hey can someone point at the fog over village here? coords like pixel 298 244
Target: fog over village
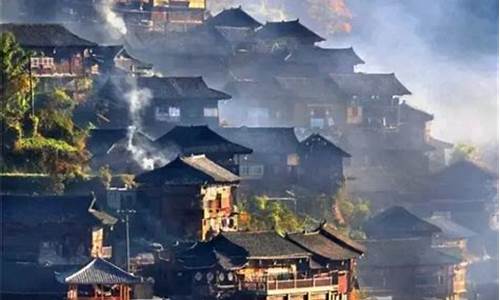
pixel 237 149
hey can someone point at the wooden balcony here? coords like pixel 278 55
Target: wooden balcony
pixel 278 286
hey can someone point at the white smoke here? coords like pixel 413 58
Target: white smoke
pixel 114 20
pixel 138 100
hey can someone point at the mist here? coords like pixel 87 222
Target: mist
pixel 445 52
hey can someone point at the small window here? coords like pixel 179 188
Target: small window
pixel 210 112
pixel 174 111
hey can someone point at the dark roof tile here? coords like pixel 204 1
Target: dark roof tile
pixel 234 17
pixel 200 140
pixel 188 170
pixel 45 35
pixel 316 140
pixel 362 84
pixel 397 222
pixel 331 55
pixel 38 210
pixel 99 271
pixel 263 139
pixel 273 30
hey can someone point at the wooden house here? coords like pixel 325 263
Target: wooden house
pixel 202 50
pixel 44 234
pixel 181 101
pixel 404 262
pixel 264 265
pixel 191 197
pixel 373 98
pixel 321 157
pixel 404 269
pixel 125 151
pixel 114 59
pixel 196 140
pixel 465 190
pixel 332 252
pixel 238 27
pixel 274 158
pixel 328 60
pixel 285 36
pixel 172 101
pixel 56 51
pixel 288 98
pixel 397 222
pixel 439 157
pixel 161 15
pixel 452 235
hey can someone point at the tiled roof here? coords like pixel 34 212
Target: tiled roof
pixel 200 140
pixel 316 140
pixel 307 87
pixel 263 139
pixel 267 244
pixel 439 144
pixel 188 170
pixel 450 229
pixel 362 84
pixel 321 245
pixel 463 180
pixel 318 54
pixel 404 253
pixel 330 231
pixel 234 17
pixel 45 35
pixel 407 112
pixel 272 30
pixel 232 250
pixel 99 271
pixel 397 222
pixel 38 210
pixel 180 88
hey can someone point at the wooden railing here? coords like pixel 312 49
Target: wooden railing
pixel 277 284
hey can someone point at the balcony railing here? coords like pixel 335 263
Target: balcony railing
pixel 277 284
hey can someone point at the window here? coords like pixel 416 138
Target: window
pixel 167 113
pixel 317 123
pixel 210 112
pixel 35 62
pixel 174 111
pixel 251 171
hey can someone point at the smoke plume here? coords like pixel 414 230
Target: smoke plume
pixel 137 100
pixel 115 21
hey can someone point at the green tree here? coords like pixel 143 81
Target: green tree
pixel 16 87
pixel 261 213
pixel 45 141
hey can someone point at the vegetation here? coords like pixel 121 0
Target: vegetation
pixel 259 213
pixel 463 151
pixel 350 214
pixel 128 180
pixel 37 130
pixel 15 89
pixel 347 214
pixel 105 175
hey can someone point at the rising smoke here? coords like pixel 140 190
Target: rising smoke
pixel 116 22
pixel 138 99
